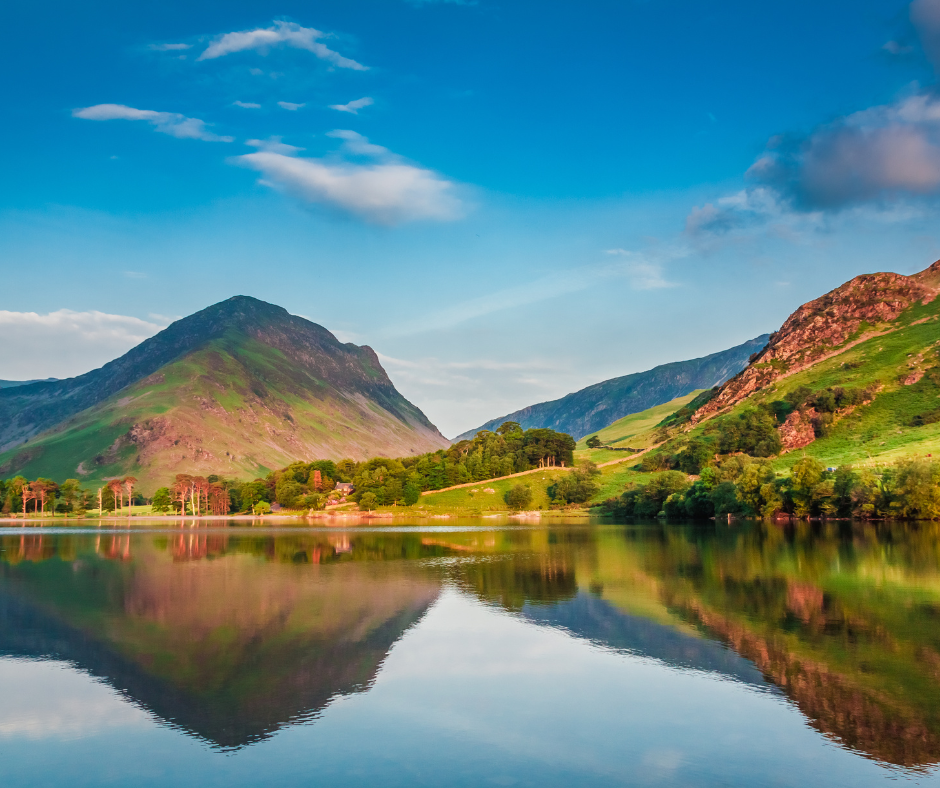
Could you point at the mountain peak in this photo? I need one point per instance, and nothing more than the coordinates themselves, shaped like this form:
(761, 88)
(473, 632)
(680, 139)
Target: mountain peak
(316, 394)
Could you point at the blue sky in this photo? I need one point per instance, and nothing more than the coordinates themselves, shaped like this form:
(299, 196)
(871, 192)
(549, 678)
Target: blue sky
(507, 200)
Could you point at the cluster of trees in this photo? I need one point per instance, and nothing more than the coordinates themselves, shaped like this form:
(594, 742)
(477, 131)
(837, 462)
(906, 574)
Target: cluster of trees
(301, 485)
(909, 489)
(754, 431)
(44, 496)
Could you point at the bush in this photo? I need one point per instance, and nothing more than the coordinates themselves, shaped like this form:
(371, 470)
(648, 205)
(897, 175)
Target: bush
(576, 487)
(519, 497)
(262, 507)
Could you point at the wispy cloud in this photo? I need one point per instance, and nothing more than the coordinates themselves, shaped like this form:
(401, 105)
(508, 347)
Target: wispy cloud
(171, 123)
(65, 343)
(640, 271)
(289, 106)
(287, 34)
(170, 47)
(353, 107)
(383, 190)
(246, 105)
(274, 145)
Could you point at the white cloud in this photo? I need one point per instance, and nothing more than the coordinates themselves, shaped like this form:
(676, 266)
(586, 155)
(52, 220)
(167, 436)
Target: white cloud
(246, 105)
(65, 343)
(353, 106)
(287, 34)
(274, 145)
(289, 106)
(640, 269)
(171, 123)
(356, 144)
(384, 191)
(897, 48)
(170, 47)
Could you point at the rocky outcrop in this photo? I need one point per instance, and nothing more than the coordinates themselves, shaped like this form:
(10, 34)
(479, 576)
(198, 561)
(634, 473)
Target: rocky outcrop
(798, 430)
(828, 324)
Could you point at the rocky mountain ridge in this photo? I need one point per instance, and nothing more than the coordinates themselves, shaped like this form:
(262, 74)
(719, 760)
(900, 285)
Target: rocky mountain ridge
(849, 314)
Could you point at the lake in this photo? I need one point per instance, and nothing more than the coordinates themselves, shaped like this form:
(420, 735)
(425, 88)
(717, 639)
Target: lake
(501, 654)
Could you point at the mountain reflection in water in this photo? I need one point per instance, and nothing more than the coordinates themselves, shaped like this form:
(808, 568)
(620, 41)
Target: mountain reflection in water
(230, 635)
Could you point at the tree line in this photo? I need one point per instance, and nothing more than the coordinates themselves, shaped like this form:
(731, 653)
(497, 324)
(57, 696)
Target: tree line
(45, 497)
(743, 486)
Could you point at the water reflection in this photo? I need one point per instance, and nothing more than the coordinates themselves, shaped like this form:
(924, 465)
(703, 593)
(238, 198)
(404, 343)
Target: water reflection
(230, 634)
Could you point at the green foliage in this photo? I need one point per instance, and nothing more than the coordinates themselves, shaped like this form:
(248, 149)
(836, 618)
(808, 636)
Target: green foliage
(162, 502)
(412, 494)
(288, 492)
(593, 442)
(578, 486)
(518, 497)
(368, 501)
(262, 507)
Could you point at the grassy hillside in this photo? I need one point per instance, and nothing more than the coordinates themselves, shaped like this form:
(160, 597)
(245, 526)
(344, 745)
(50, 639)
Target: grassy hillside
(593, 408)
(636, 430)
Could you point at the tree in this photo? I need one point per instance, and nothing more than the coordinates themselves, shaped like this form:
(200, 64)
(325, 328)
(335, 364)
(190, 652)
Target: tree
(367, 501)
(70, 491)
(518, 498)
(129, 482)
(288, 492)
(412, 494)
(106, 498)
(593, 442)
(508, 427)
(117, 492)
(261, 508)
(162, 502)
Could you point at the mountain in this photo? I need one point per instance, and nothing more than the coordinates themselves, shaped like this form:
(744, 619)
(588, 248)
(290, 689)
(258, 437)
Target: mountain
(594, 407)
(237, 389)
(9, 384)
(828, 326)
(851, 378)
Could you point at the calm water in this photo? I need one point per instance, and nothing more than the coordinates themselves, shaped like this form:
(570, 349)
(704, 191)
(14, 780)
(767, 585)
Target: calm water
(471, 656)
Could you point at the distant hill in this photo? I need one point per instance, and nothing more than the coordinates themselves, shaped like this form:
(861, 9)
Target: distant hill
(9, 384)
(597, 406)
(238, 388)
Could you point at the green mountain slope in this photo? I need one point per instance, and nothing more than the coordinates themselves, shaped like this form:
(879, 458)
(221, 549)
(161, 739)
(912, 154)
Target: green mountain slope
(237, 389)
(592, 408)
(636, 430)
